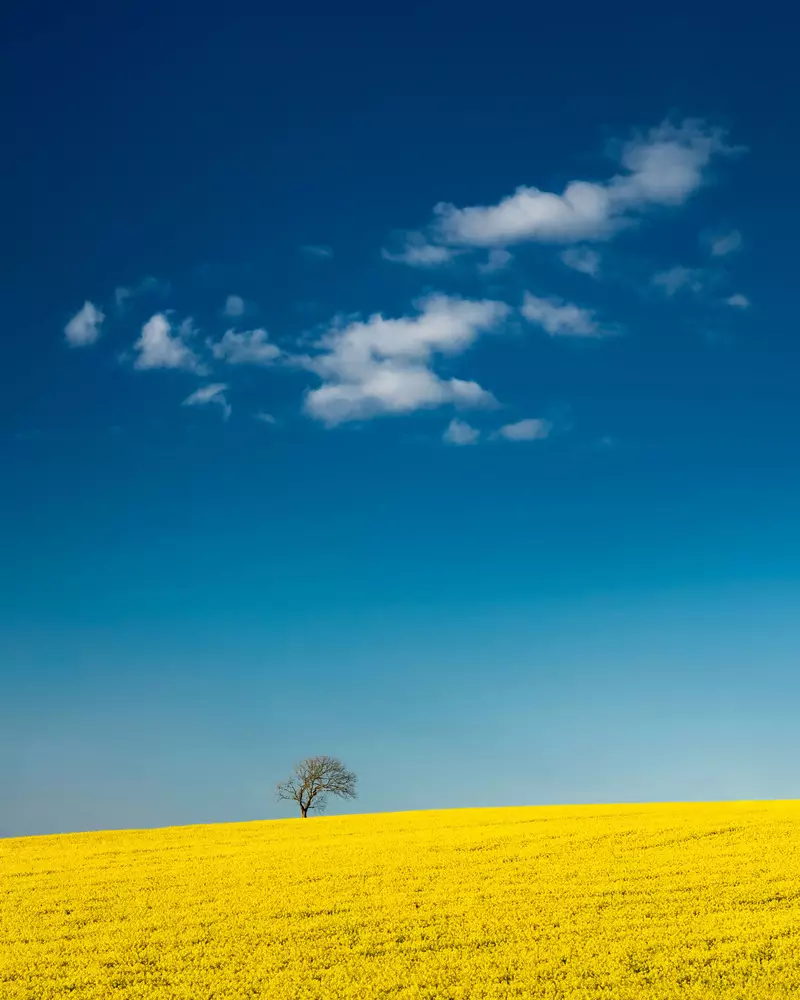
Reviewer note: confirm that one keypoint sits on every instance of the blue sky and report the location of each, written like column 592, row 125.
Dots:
column 420, row 390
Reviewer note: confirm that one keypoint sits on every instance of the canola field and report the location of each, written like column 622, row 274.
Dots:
column 619, row 902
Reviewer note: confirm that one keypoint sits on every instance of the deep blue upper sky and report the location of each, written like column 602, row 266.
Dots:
column 531, row 536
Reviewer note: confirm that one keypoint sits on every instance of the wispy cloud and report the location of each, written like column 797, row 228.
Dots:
column 663, row 168
column 459, row 432
column 265, row 418
column 85, row 326
column 320, row 252
column 252, row 347
column 677, row 278
column 582, row 259
column 561, row 319
column 532, row 429
column 160, row 347
column 213, row 393
column 234, row 306
column 384, row 366
column 738, row 301
column 418, row 252
column 721, row 246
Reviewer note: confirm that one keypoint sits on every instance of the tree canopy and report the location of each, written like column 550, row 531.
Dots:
column 313, row 779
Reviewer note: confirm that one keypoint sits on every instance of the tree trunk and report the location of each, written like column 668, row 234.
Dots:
column 304, row 811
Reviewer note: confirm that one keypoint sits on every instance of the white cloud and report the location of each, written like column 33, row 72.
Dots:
column 249, row 348
column 738, row 301
column 459, row 432
column 676, row 278
column 213, row 393
column 392, row 389
column 723, row 245
column 581, row 212
column 265, row 418
column 234, row 306
column 496, row 260
column 668, row 166
column 158, row 347
column 383, row 366
column 561, row 319
column 418, row 252
column 582, row 259
column 84, row 327
column 526, row 430
column 662, row 169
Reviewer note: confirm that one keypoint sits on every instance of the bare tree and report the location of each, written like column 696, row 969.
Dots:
column 314, row 778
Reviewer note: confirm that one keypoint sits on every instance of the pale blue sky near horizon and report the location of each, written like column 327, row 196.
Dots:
column 336, row 418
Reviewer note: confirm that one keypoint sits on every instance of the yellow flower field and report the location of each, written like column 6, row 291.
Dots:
column 588, row 901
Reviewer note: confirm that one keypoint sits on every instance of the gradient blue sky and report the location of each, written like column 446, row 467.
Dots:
column 581, row 588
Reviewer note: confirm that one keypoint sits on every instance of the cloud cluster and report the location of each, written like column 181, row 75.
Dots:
column 162, row 344
column 381, row 366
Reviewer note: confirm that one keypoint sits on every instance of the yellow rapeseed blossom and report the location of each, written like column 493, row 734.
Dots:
column 618, row 902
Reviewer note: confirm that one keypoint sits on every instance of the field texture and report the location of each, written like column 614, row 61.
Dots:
column 615, row 901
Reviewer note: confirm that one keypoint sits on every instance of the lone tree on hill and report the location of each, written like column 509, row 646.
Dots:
column 312, row 779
